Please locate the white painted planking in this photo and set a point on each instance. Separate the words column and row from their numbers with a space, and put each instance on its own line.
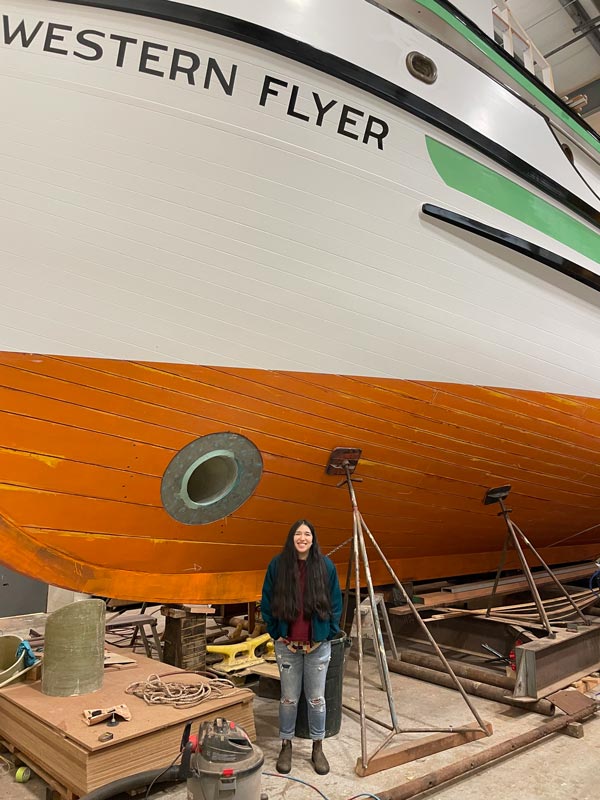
column 365, row 35
column 369, row 309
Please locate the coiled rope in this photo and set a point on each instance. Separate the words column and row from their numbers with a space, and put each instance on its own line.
column 155, row 691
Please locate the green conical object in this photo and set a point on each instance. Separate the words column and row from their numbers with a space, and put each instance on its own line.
column 74, row 649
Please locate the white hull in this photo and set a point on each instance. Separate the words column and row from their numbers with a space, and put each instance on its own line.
column 204, row 235
column 145, row 218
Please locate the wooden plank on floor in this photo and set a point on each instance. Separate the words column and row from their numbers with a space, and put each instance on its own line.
column 411, row 750
column 266, row 670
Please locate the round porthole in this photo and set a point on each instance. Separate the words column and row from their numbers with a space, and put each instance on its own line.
column 421, row 67
column 568, row 152
column 210, row 478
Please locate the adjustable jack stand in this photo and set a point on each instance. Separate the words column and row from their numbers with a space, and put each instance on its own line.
column 514, row 537
column 343, row 461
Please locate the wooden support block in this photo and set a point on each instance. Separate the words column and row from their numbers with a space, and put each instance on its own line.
column 35, row 673
column 574, row 729
column 184, row 641
column 395, row 755
column 179, row 612
column 174, row 613
column 198, row 609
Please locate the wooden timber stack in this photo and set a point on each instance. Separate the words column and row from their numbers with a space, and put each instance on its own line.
column 184, row 639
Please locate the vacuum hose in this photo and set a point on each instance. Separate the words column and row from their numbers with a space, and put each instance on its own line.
column 134, row 782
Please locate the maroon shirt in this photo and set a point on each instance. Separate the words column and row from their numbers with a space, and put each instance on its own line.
column 299, row 630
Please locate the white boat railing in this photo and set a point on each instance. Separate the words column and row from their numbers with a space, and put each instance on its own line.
column 515, row 41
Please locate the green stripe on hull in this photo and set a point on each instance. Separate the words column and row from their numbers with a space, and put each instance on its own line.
column 507, row 67
column 468, row 176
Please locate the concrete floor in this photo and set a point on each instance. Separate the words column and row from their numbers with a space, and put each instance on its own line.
column 559, row 766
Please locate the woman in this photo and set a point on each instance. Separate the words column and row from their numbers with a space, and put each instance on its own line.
column 301, row 605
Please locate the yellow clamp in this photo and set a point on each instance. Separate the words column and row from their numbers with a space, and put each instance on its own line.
column 238, row 656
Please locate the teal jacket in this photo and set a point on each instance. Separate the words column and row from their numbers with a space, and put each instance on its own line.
column 322, row 629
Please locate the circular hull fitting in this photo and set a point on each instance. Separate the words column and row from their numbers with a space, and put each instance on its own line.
column 211, row 478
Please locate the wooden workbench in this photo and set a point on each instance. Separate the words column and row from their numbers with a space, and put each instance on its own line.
column 51, row 735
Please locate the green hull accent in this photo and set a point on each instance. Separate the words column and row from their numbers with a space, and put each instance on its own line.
column 468, row 176
column 507, row 67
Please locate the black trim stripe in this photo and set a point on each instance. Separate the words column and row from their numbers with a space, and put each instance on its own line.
column 573, row 163
column 523, row 246
column 283, row 45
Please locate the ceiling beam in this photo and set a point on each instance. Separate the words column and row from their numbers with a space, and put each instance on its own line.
column 583, row 22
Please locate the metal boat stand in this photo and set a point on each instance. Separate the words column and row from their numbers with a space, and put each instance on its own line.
column 368, row 630
column 551, row 662
column 550, row 642
column 514, row 537
column 343, row 461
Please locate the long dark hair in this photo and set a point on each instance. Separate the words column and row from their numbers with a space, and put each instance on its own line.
column 286, row 595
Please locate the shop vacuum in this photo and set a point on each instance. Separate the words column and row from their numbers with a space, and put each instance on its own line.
column 219, row 763
column 223, row 764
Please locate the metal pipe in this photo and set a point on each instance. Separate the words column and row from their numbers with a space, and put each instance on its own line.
column 473, row 673
column 556, row 50
column 492, row 597
column 453, row 679
column 377, row 625
column 552, row 575
column 380, row 722
column 527, row 572
column 439, row 776
column 347, row 587
column 504, row 512
column 388, row 727
column 389, row 632
column 364, row 756
column 472, row 687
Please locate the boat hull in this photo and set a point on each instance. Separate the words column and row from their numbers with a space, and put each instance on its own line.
column 176, row 195
column 86, row 442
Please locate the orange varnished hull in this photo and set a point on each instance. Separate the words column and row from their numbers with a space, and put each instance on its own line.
column 84, row 444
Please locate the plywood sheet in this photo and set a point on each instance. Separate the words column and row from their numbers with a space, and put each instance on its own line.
column 66, row 713
column 52, row 733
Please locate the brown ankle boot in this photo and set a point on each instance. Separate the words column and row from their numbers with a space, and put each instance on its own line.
column 318, row 759
column 284, row 762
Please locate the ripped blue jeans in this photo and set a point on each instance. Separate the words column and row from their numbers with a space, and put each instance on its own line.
column 298, row 670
